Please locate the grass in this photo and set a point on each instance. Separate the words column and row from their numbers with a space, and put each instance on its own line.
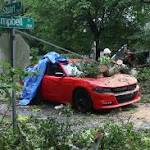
column 145, row 98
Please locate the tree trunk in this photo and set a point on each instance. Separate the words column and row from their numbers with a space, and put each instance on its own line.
column 97, row 49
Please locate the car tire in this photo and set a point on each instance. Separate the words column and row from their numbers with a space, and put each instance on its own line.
column 82, row 101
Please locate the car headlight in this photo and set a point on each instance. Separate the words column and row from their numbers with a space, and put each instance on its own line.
column 102, row 90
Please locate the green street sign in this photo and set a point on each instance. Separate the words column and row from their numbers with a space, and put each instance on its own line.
column 18, row 22
column 14, row 8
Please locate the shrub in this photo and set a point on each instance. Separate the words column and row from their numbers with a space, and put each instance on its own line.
column 122, row 137
column 9, row 79
column 89, row 68
column 51, row 134
column 43, row 134
column 144, row 74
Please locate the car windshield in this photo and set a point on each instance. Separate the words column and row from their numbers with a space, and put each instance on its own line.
column 71, row 69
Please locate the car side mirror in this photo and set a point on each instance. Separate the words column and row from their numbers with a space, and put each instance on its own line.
column 59, row 74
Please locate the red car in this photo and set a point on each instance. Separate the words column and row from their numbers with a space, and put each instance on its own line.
column 61, row 84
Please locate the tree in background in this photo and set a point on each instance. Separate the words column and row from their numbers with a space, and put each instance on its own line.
column 141, row 38
column 110, row 22
column 76, row 24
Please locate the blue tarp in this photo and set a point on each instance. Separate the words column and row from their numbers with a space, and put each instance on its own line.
column 32, row 82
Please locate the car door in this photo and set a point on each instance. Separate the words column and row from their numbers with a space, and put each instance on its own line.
column 55, row 84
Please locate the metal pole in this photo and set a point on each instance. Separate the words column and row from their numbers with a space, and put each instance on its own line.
column 48, row 43
column 13, row 47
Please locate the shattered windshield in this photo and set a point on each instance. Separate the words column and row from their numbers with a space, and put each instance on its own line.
column 72, row 69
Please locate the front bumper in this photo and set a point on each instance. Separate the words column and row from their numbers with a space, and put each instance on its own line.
column 111, row 100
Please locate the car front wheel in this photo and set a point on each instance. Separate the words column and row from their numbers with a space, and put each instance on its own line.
column 82, row 101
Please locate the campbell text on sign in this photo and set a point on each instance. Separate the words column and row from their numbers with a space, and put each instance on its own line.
column 17, row 22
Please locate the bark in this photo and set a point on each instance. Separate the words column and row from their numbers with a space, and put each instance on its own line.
column 97, row 49
column 96, row 30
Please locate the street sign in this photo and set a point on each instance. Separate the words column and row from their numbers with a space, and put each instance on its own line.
column 18, row 22
column 14, row 8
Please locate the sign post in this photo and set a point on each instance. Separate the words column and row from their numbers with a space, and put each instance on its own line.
column 12, row 22
column 13, row 57
column 13, row 47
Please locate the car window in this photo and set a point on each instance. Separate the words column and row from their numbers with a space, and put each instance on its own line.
column 71, row 69
column 53, row 68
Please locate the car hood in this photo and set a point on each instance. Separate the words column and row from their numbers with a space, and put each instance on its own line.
column 117, row 80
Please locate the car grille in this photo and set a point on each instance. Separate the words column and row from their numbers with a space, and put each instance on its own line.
column 124, row 88
column 126, row 98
